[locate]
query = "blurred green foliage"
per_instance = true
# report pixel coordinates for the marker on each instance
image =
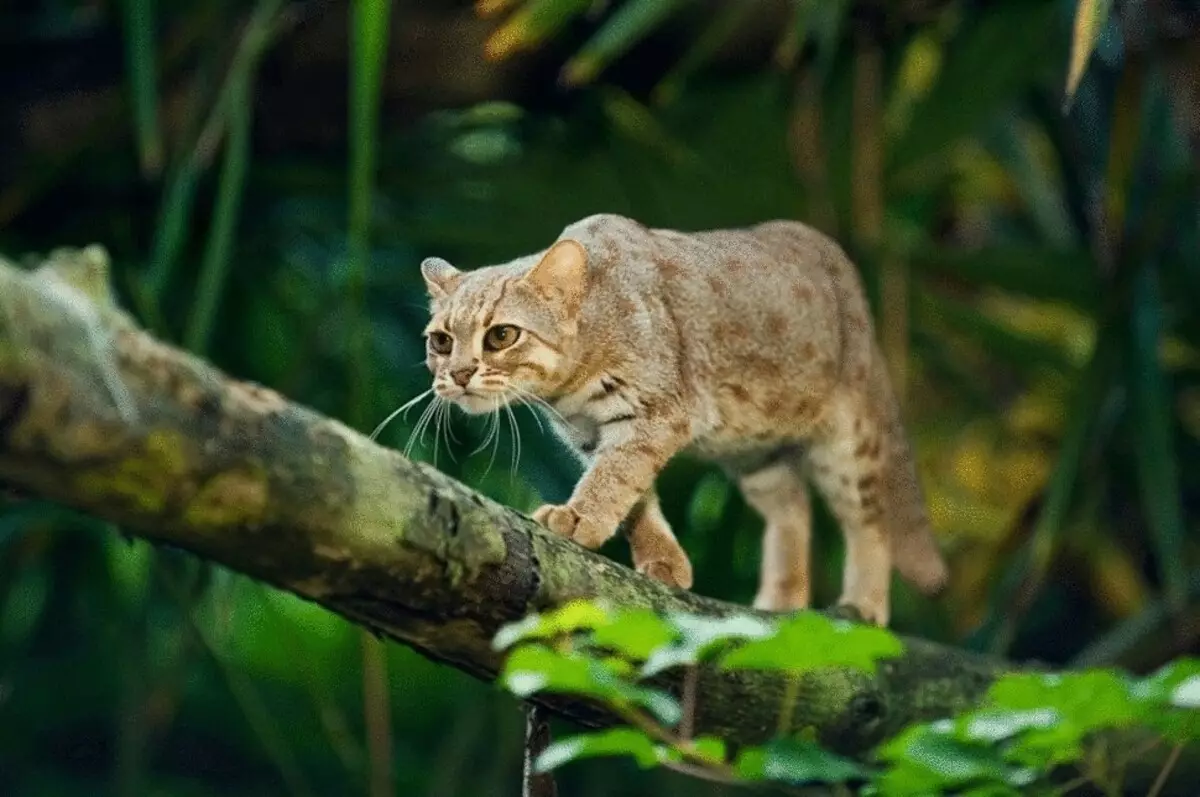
(1029, 726)
(267, 176)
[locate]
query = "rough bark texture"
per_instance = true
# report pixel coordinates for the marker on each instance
(98, 415)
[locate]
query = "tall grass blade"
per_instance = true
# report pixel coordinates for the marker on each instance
(1031, 565)
(1090, 18)
(369, 32)
(1154, 447)
(214, 269)
(631, 23)
(140, 60)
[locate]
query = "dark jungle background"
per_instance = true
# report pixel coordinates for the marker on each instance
(267, 177)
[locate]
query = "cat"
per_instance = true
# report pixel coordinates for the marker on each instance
(749, 347)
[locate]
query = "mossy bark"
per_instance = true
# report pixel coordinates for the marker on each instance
(98, 415)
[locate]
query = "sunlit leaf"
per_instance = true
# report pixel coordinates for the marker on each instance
(796, 761)
(530, 25)
(1187, 694)
(699, 636)
(632, 22)
(709, 748)
(996, 726)
(534, 668)
(926, 759)
(635, 633)
(612, 742)
(991, 59)
(1090, 18)
(1173, 698)
(1090, 700)
(808, 641)
(574, 616)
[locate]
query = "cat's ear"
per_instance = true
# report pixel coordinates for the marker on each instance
(441, 278)
(561, 275)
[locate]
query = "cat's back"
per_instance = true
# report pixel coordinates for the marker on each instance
(756, 311)
(767, 281)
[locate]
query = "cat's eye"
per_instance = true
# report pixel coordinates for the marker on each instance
(440, 342)
(500, 337)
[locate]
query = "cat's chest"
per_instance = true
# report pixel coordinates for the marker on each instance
(598, 414)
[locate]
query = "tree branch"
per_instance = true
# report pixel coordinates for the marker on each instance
(98, 415)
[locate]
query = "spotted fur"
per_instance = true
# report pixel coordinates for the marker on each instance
(751, 347)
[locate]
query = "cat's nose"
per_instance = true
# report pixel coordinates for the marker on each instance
(462, 376)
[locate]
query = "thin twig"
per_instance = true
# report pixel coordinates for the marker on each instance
(537, 739)
(688, 724)
(1165, 772)
(790, 694)
(377, 711)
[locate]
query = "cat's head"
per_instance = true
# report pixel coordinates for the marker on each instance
(498, 332)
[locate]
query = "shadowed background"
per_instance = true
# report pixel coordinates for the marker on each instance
(267, 176)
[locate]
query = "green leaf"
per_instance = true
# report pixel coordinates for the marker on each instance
(699, 636)
(1090, 701)
(219, 248)
(709, 748)
(140, 55)
(999, 725)
(1090, 18)
(807, 641)
(1154, 445)
(1033, 563)
(631, 23)
(578, 615)
(991, 60)
(1019, 350)
(1173, 697)
(928, 758)
(724, 24)
(1061, 275)
(615, 741)
(532, 24)
(535, 668)
(635, 633)
(796, 761)
(1187, 694)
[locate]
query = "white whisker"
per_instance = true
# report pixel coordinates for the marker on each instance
(418, 431)
(446, 421)
(493, 423)
(541, 402)
(494, 436)
(512, 422)
(401, 410)
(537, 417)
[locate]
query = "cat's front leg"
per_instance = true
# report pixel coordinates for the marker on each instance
(620, 475)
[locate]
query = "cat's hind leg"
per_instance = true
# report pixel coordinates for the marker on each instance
(779, 493)
(847, 463)
(653, 547)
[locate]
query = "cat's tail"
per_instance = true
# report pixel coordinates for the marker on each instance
(915, 551)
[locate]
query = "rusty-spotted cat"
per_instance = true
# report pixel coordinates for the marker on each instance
(751, 347)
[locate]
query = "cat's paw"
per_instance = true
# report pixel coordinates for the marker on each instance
(566, 522)
(666, 563)
(871, 612)
(672, 572)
